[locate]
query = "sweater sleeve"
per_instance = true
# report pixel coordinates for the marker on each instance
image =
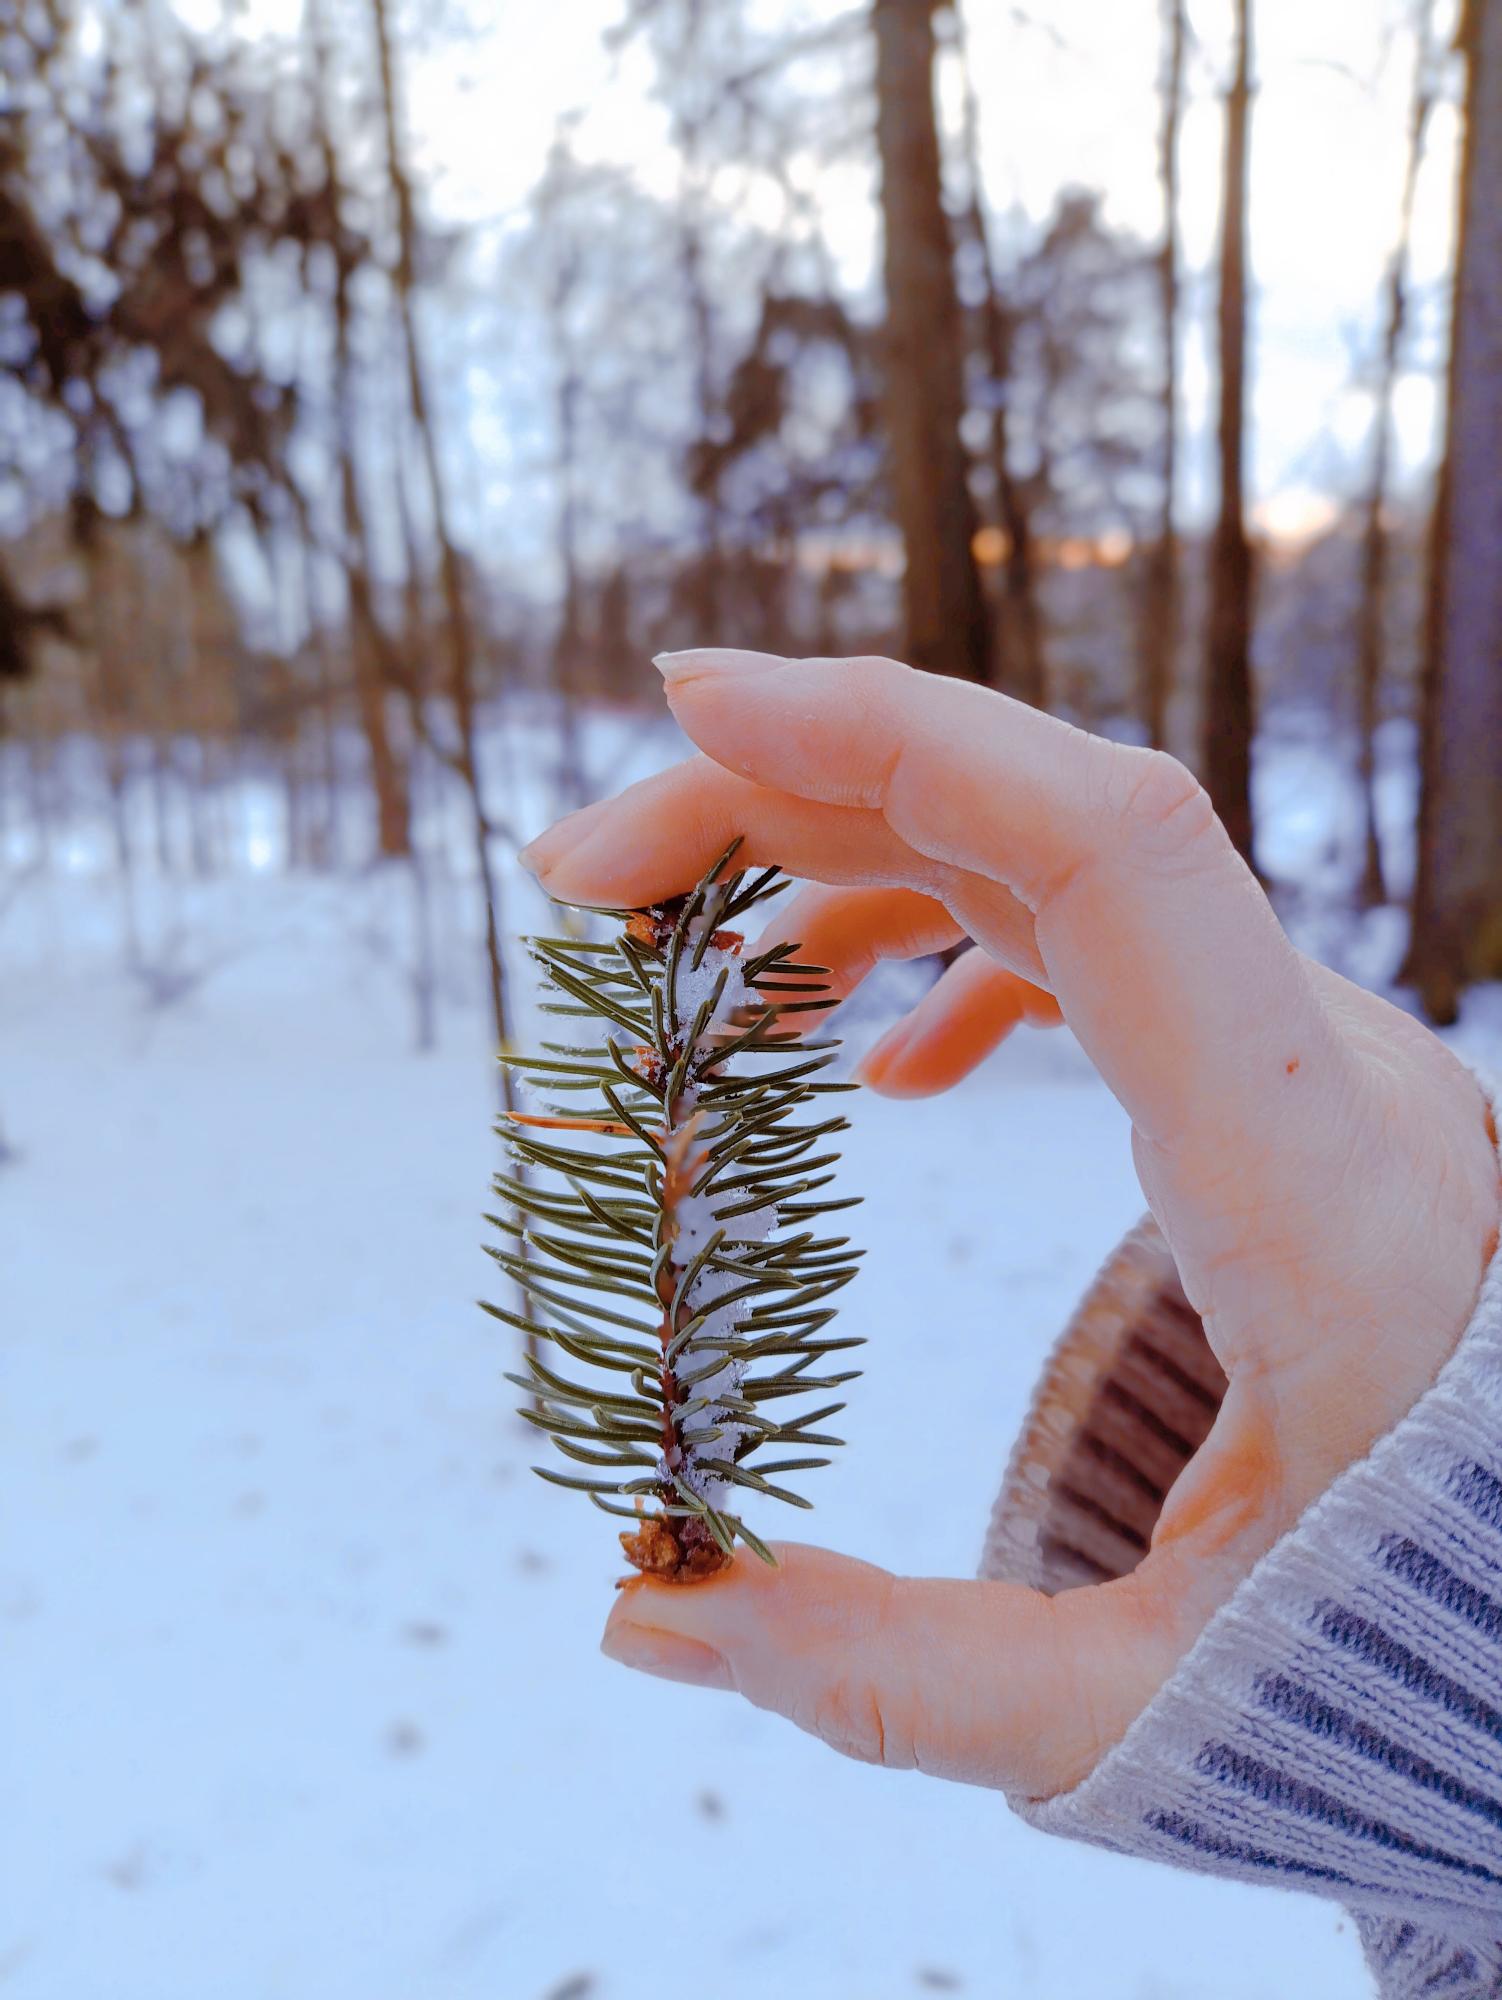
(1337, 1727)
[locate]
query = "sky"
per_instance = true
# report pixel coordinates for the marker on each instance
(1067, 91)
(1069, 96)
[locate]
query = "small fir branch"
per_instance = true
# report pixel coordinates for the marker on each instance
(657, 1222)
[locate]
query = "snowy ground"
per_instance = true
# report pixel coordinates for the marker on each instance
(298, 1676)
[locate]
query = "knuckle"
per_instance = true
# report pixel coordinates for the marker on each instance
(865, 676)
(1157, 804)
(862, 1709)
(848, 1716)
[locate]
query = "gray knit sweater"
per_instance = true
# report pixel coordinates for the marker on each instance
(1338, 1725)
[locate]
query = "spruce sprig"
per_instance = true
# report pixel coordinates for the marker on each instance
(662, 1224)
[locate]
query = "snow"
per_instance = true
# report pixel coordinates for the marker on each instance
(717, 987)
(697, 1222)
(695, 984)
(298, 1661)
(707, 1377)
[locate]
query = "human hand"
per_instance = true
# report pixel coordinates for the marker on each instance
(1320, 1165)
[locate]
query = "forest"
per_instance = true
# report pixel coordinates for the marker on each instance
(253, 379)
(382, 385)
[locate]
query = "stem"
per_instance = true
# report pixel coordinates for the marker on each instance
(677, 1180)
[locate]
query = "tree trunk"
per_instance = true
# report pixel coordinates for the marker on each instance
(707, 600)
(1457, 917)
(1371, 613)
(41, 774)
(388, 772)
(1023, 660)
(326, 711)
(947, 627)
(294, 800)
(458, 630)
(1161, 611)
(200, 828)
(111, 622)
(1227, 722)
(568, 638)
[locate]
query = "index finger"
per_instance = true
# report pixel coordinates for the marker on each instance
(1153, 934)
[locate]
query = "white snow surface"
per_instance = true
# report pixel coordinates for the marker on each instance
(300, 1696)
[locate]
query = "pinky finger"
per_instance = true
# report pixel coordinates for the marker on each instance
(955, 1026)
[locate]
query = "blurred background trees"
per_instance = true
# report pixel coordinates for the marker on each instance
(1457, 933)
(315, 475)
(1227, 716)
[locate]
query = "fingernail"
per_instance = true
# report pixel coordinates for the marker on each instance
(667, 1655)
(549, 848)
(879, 1060)
(702, 661)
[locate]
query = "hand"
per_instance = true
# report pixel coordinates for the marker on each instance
(1320, 1165)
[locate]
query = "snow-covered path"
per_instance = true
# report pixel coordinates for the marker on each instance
(301, 1699)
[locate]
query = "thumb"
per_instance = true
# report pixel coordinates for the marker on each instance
(981, 1681)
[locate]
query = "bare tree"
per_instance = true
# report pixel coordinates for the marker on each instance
(1457, 914)
(709, 574)
(1371, 610)
(457, 623)
(1227, 722)
(564, 185)
(1160, 624)
(388, 770)
(1024, 663)
(944, 603)
(568, 638)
